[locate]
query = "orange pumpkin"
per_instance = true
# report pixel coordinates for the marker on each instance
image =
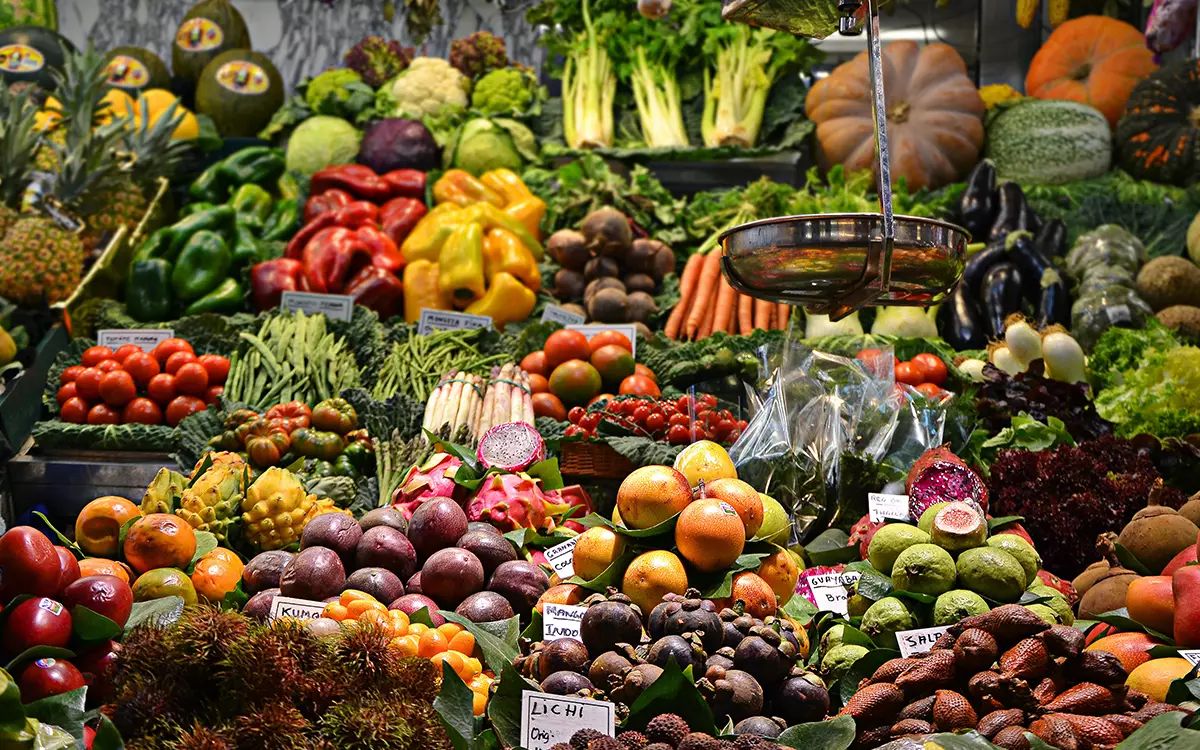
(1094, 60)
(934, 115)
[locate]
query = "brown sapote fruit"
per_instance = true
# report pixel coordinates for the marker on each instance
(1157, 533)
(1107, 593)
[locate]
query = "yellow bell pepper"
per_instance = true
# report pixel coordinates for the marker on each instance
(425, 241)
(502, 251)
(507, 301)
(507, 184)
(529, 212)
(460, 187)
(421, 290)
(491, 217)
(461, 265)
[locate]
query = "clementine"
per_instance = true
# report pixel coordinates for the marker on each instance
(98, 527)
(159, 540)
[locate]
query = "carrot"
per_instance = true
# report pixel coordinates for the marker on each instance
(782, 311)
(762, 314)
(706, 287)
(745, 314)
(726, 295)
(710, 315)
(687, 287)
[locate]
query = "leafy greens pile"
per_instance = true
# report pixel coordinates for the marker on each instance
(1150, 382)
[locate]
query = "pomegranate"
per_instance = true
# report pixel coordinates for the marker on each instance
(37, 622)
(46, 677)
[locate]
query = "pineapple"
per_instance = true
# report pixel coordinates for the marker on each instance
(18, 140)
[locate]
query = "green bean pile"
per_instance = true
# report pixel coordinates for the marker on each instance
(414, 366)
(292, 358)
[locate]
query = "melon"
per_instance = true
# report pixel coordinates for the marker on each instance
(210, 28)
(136, 69)
(240, 90)
(1048, 142)
(42, 13)
(29, 54)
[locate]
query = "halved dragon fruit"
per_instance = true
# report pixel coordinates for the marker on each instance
(433, 478)
(509, 502)
(512, 446)
(578, 502)
(939, 476)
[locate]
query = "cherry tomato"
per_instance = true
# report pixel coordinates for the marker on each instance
(108, 365)
(683, 403)
(656, 422)
(217, 367)
(641, 413)
(182, 406)
(177, 360)
(124, 351)
(574, 430)
(575, 414)
(733, 436)
(725, 426)
(191, 378)
(932, 367)
(161, 388)
(589, 421)
(65, 392)
(679, 420)
(87, 385)
(95, 355)
(69, 374)
(117, 388)
(679, 434)
(103, 414)
(74, 410)
(212, 393)
(142, 367)
(907, 373)
(931, 391)
(168, 347)
(142, 411)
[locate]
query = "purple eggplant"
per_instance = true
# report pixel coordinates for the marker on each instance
(961, 324)
(1013, 213)
(977, 207)
(1000, 295)
(979, 264)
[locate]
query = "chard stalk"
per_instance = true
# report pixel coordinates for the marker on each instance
(589, 87)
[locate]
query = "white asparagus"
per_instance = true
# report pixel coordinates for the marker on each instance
(503, 395)
(485, 413)
(452, 402)
(516, 410)
(429, 403)
(476, 400)
(464, 403)
(442, 397)
(432, 408)
(530, 419)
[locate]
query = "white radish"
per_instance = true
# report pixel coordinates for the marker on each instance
(1064, 358)
(1023, 340)
(973, 369)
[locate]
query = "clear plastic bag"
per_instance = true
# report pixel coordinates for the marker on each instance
(1107, 245)
(1094, 314)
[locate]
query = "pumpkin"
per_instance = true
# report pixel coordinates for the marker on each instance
(1159, 134)
(934, 115)
(1093, 60)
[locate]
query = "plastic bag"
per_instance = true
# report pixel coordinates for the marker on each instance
(1107, 245)
(1098, 279)
(1094, 314)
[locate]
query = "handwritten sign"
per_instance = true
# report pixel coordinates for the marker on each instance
(299, 609)
(444, 320)
(560, 557)
(547, 720)
(144, 338)
(882, 507)
(591, 329)
(831, 591)
(1191, 654)
(556, 314)
(561, 621)
(914, 642)
(332, 306)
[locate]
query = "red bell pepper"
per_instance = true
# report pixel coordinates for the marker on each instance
(296, 245)
(377, 289)
(406, 183)
(384, 253)
(359, 181)
(356, 214)
(330, 200)
(398, 217)
(331, 257)
(270, 279)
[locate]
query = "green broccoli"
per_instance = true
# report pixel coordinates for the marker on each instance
(503, 91)
(330, 83)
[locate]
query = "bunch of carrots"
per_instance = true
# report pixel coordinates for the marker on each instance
(707, 303)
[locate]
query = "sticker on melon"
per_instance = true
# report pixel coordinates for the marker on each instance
(127, 73)
(242, 77)
(21, 58)
(199, 35)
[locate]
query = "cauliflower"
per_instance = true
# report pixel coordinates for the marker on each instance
(429, 86)
(503, 91)
(330, 83)
(479, 53)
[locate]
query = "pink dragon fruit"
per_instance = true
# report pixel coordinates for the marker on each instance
(578, 502)
(862, 532)
(822, 576)
(509, 502)
(939, 476)
(512, 446)
(434, 478)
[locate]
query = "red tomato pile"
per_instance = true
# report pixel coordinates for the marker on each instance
(134, 386)
(680, 421)
(925, 372)
(571, 370)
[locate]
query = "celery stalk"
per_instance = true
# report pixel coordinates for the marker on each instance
(735, 93)
(656, 94)
(589, 87)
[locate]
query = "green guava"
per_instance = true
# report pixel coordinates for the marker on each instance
(992, 573)
(1044, 612)
(885, 618)
(890, 541)
(837, 661)
(956, 605)
(1023, 551)
(924, 569)
(925, 522)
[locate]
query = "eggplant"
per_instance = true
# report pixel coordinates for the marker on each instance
(977, 206)
(1000, 296)
(1013, 213)
(1022, 250)
(961, 325)
(1054, 306)
(1051, 239)
(979, 263)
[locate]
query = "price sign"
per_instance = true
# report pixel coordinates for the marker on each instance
(300, 609)
(333, 306)
(882, 507)
(443, 320)
(561, 621)
(556, 314)
(591, 329)
(547, 720)
(145, 338)
(560, 557)
(1191, 654)
(914, 642)
(831, 591)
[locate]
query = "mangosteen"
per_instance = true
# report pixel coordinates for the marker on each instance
(656, 622)
(566, 683)
(682, 651)
(607, 623)
(765, 661)
(722, 658)
(692, 617)
(562, 655)
(759, 725)
(732, 693)
(485, 606)
(384, 517)
(634, 683)
(606, 666)
(801, 700)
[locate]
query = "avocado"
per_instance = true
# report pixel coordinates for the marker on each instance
(209, 28)
(136, 69)
(240, 90)
(30, 54)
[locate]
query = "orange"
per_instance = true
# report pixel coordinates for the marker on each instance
(98, 527)
(1154, 677)
(99, 566)
(479, 703)
(1151, 601)
(408, 644)
(1131, 648)
(653, 575)
(563, 593)
(399, 621)
(781, 572)
(596, 549)
(432, 642)
(159, 540)
(463, 643)
(651, 495)
(743, 498)
(214, 578)
(755, 592)
(710, 535)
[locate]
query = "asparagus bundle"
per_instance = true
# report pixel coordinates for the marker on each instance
(455, 403)
(508, 399)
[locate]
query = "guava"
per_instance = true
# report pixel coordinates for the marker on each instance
(958, 527)
(991, 572)
(832, 638)
(956, 605)
(857, 605)
(885, 618)
(1056, 602)
(924, 569)
(1044, 612)
(1023, 551)
(887, 544)
(925, 522)
(838, 661)
(775, 526)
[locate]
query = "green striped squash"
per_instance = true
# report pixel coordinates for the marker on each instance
(29, 13)
(1048, 142)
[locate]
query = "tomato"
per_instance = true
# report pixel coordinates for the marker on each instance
(932, 367)
(931, 391)
(142, 367)
(575, 414)
(69, 374)
(604, 338)
(641, 414)
(639, 385)
(679, 419)
(590, 421)
(87, 385)
(108, 365)
(868, 353)
(177, 360)
(656, 422)
(65, 392)
(212, 393)
(574, 430)
(217, 367)
(190, 378)
(75, 410)
(566, 345)
(103, 414)
(182, 406)
(95, 355)
(549, 405)
(538, 383)
(907, 372)
(640, 369)
(161, 388)
(679, 435)
(168, 347)
(117, 388)
(534, 363)
(124, 351)
(142, 411)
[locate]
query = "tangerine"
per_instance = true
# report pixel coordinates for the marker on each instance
(744, 499)
(1155, 676)
(213, 578)
(563, 593)
(651, 495)
(98, 527)
(710, 535)
(159, 540)
(479, 703)
(781, 572)
(651, 576)
(463, 642)
(595, 550)
(565, 345)
(99, 566)
(1133, 649)
(1151, 602)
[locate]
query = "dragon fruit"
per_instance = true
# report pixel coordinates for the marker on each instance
(862, 532)
(512, 446)
(434, 478)
(939, 476)
(578, 504)
(1068, 591)
(826, 576)
(509, 502)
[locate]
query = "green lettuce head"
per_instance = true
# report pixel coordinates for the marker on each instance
(484, 144)
(321, 142)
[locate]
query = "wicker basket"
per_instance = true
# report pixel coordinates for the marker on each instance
(587, 459)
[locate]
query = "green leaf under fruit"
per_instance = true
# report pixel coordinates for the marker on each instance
(1184, 689)
(611, 576)
(832, 734)
(1120, 620)
(720, 585)
(665, 527)
(548, 472)
(64, 711)
(235, 599)
(107, 736)
(163, 612)
(995, 523)
(673, 692)
(800, 609)
(498, 650)
(75, 549)
(970, 740)
(454, 705)
(205, 542)
(504, 708)
(90, 626)
(421, 616)
(1130, 561)
(1163, 732)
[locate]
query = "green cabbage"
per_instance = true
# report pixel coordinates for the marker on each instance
(484, 144)
(321, 142)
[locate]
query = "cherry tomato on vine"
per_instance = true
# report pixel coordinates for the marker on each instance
(931, 391)
(679, 435)
(575, 414)
(656, 422)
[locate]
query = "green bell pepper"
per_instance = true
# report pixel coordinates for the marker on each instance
(283, 221)
(202, 265)
(193, 208)
(219, 219)
(288, 187)
(252, 204)
(260, 165)
(154, 246)
(209, 187)
(247, 250)
(148, 294)
(226, 298)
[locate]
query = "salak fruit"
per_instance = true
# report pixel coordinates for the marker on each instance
(512, 446)
(940, 476)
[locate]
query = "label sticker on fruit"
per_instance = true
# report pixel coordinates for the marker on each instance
(556, 314)
(242, 77)
(560, 557)
(145, 338)
(829, 591)
(50, 606)
(332, 306)
(198, 34)
(127, 72)
(918, 641)
(20, 58)
(882, 507)
(442, 320)
(547, 720)
(299, 609)
(561, 621)
(1191, 654)
(628, 329)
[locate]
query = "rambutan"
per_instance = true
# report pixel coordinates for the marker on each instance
(667, 728)
(633, 740)
(203, 635)
(280, 662)
(201, 737)
(367, 725)
(364, 653)
(580, 740)
(274, 726)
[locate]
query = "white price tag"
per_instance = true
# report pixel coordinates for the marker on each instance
(561, 621)
(333, 306)
(299, 609)
(560, 557)
(1191, 654)
(831, 591)
(882, 507)
(556, 314)
(547, 720)
(591, 329)
(146, 338)
(919, 641)
(444, 320)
